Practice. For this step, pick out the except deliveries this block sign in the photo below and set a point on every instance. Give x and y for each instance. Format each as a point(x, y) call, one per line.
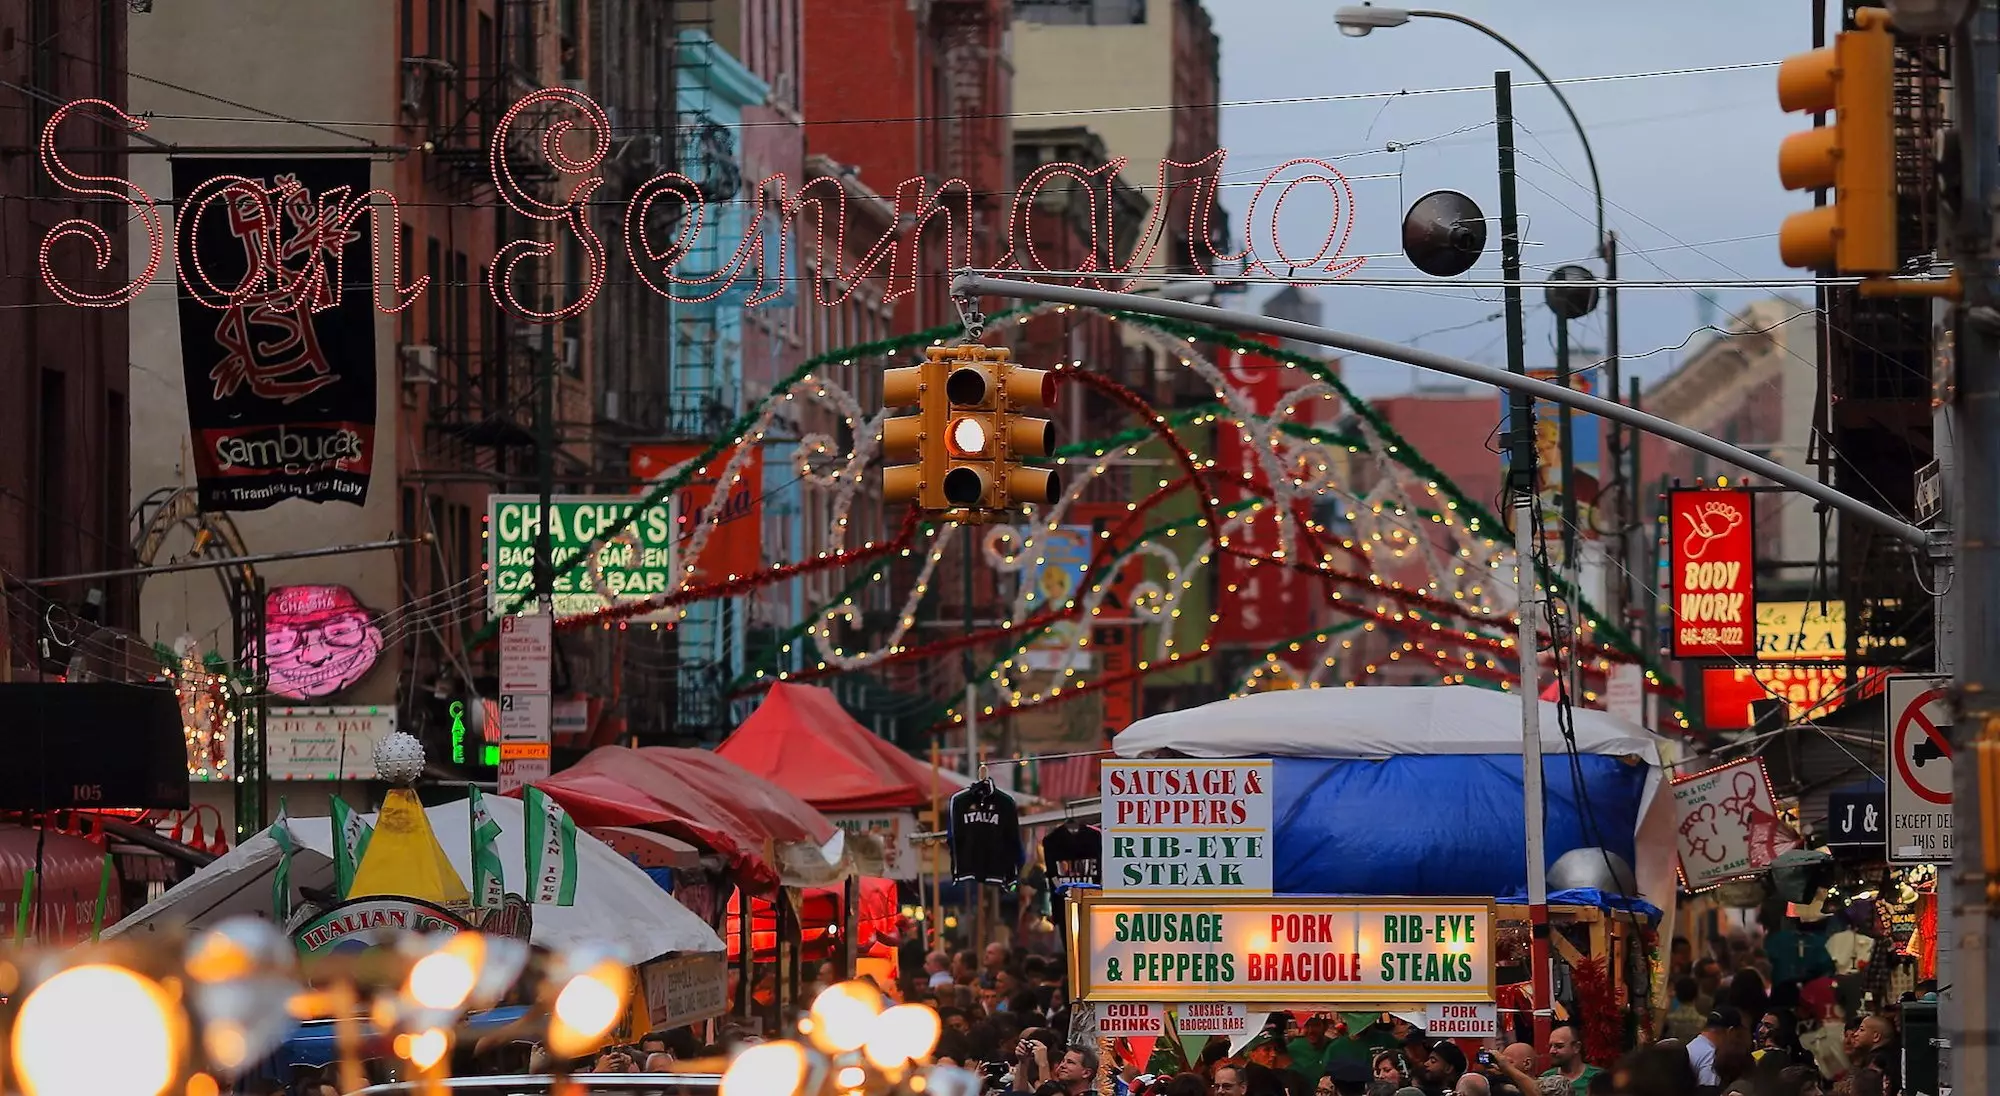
point(1728, 823)
point(1919, 769)
point(1711, 581)
point(1329, 951)
point(1187, 827)
point(635, 564)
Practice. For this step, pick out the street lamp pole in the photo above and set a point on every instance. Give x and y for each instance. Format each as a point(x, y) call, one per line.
point(1358, 21)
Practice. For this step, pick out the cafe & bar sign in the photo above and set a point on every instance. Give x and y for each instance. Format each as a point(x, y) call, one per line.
point(1336, 951)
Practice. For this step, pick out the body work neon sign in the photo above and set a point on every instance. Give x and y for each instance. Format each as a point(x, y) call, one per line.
point(570, 133)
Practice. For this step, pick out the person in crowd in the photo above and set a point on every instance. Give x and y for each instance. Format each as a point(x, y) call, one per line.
point(1443, 1066)
point(1472, 1084)
point(937, 967)
point(1680, 959)
point(1211, 1055)
point(1228, 1080)
point(1311, 1050)
point(1262, 1080)
point(994, 959)
point(1077, 1069)
point(1722, 1037)
point(964, 968)
point(1345, 1077)
point(1871, 1046)
point(1008, 983)
point(1654, 1071)
point(1566, 1058)
point(659, 1062)
point(1187, 1084)
point(953, 1018)
point(1777, 1035)
point(1416, 1048)
point(1684, 1020)
point(1708, 980)
point(1747, 992)
point(1388, 1070)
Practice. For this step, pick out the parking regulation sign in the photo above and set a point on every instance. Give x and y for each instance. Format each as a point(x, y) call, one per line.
point(1919, 769)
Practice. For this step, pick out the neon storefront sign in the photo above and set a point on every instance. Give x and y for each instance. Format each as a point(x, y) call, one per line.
point(318, 640)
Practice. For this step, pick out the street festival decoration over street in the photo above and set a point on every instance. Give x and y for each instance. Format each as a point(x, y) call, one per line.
point(1412, 554)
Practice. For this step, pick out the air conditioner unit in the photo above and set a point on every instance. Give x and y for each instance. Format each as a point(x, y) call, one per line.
point(614, 405)
point(420, 363)
point(570, 350)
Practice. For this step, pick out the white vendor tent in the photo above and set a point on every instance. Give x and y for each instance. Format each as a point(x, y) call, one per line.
point(1375, 723)
point(617, 905)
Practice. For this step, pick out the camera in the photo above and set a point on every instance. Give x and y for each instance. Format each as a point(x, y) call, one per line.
point(1485, 1057)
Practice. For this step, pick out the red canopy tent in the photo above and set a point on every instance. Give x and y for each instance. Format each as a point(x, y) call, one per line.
point(694, 795)
point(801, 739)
point(876, 918)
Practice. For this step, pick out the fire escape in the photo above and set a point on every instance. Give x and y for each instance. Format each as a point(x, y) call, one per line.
point(1878, 372)
point(482, 406)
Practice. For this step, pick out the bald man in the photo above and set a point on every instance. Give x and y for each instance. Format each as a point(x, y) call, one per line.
point(1521, 1056)
point(1472, 1084)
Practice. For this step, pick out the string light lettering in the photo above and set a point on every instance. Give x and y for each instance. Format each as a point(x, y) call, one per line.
point(547, 103)
point(543, 124)
point(79, 183)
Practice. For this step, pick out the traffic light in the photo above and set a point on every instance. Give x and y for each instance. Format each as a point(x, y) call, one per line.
point(1854, 153)
point(913, 445)
point(959, 456)
point(1024, 389)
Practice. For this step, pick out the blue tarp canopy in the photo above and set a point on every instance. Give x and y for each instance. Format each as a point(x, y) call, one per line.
point(1418, 790)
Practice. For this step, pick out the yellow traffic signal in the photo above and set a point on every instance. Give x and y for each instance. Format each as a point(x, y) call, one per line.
point(1855, 153)
point(972, 434)
point(959, 456)
point(913, 445)
point(1024, 389)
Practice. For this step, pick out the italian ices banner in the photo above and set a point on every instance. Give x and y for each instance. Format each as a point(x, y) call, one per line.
point(278, 341)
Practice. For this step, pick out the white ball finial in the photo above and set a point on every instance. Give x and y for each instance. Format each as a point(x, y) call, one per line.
point(399, 758)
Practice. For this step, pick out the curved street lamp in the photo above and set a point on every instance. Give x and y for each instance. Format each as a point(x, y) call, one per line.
point(1359, 20)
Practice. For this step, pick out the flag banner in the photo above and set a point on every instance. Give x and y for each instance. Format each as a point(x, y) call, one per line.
point(351, 833)
point(281, 880)
point(551, 848)
point(489, 887)
point(278, 348)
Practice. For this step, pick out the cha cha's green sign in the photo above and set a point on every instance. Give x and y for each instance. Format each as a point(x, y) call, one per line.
point(635, 564)
point(1327, 951)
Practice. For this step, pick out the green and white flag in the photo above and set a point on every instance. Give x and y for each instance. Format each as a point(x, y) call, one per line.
point(351, 834)
point(551, 847)
point(489, 886)
point(281, 880)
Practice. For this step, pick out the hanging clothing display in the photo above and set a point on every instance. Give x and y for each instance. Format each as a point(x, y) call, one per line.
point(1073, 855)
point(984, 836)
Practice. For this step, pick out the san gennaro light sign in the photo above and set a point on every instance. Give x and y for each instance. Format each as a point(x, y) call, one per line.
point(562, 132)
point(1338, 951)
point(635, 565)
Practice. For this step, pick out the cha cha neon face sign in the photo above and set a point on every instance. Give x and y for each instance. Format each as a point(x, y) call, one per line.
point(318, 640)
point(568, 132)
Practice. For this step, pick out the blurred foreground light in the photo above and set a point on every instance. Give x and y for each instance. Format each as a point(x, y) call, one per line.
point(902, 1034)
point(60, 1036)
point(443, 980)
point(589, 1004)
point(767, 1069)
point(843, 1016)
point(427, 1048)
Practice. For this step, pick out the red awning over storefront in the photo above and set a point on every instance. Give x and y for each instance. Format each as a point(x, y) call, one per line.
point(694, 795)
point(801, 739)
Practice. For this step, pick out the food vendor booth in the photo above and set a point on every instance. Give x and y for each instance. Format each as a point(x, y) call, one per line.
point(757, 840)
point(364, 881)
point(1364, 850)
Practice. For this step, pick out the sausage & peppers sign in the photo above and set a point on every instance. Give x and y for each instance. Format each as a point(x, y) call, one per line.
point(1362, 951)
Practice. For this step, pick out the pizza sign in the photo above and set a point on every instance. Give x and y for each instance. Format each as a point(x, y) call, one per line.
point(1712, 585)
